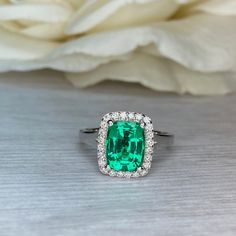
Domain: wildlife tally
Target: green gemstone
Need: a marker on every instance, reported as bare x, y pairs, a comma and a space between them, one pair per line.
125, 146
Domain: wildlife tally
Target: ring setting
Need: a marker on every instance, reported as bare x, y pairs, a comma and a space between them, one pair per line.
125, 144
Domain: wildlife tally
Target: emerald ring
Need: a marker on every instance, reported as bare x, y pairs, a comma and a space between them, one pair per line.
125, 143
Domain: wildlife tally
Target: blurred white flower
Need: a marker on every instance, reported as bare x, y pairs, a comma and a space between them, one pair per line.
167, 45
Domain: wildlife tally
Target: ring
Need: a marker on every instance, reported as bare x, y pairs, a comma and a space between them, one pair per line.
125, 143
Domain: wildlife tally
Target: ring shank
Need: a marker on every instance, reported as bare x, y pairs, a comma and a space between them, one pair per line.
89, 136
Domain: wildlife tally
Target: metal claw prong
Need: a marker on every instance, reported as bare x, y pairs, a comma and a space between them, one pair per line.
110, 123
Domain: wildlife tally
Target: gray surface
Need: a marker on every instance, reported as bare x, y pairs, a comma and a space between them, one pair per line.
50, 185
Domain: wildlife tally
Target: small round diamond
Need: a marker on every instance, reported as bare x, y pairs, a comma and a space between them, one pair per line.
148, 158
147, 120
135, 174
123, 115
112, 173
103, 125
149, 150
131, 116
102, 162
143, 172
103, 170
138, 117
149, 142
107, 117
147, 165
101, 147
100, 154
149, 126
101, 139
127, 174
120, 174
149, 134
115, 116
102, 131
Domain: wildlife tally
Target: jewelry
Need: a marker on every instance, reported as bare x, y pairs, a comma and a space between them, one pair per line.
125, 143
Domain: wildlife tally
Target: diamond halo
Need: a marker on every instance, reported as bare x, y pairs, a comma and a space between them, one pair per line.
146, 123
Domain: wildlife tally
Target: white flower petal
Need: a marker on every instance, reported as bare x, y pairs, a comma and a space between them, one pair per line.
77, 3
201, 42
152, 72
11, 26
226, 7
67, 3
18, 47
46, 31
103, 15
71, 63
35, 12
158, 74
187, 1
111, 43
181, 55
78, 62
199, 83
188, 42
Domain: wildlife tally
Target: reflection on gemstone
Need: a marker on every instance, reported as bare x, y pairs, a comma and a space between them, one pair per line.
125, 146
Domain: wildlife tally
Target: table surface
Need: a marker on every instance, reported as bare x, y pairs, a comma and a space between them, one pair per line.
50, 184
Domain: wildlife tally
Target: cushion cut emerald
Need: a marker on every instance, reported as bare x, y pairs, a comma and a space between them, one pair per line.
125, 146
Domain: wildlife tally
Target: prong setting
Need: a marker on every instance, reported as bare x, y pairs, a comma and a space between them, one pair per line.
110, 123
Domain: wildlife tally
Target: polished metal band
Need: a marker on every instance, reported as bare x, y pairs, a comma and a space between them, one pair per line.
162, 139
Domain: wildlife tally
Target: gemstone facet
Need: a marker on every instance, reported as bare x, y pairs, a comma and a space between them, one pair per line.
125, 146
